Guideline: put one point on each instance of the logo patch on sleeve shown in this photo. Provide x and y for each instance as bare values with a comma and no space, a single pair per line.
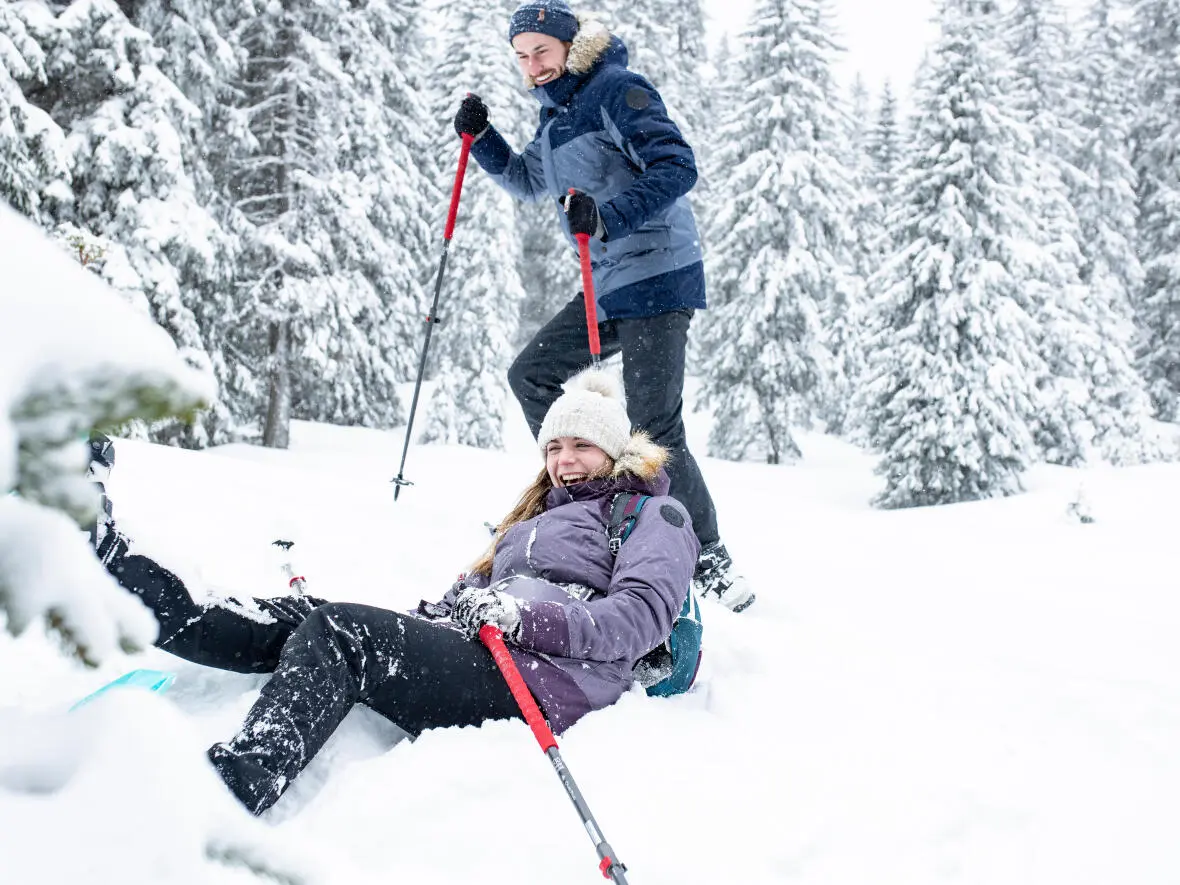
671,515
637,99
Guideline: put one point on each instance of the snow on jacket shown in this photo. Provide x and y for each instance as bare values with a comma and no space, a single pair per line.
587,615
604,130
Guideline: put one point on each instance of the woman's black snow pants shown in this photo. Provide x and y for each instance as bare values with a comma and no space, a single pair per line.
326,657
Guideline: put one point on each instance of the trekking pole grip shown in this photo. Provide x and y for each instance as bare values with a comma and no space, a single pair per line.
457,189
588,293
493,638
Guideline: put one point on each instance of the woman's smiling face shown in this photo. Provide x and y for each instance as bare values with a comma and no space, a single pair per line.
571,459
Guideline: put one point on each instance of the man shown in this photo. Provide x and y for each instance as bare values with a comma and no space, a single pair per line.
604,132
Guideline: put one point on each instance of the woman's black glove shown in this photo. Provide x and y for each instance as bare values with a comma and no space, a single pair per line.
582,213
472,117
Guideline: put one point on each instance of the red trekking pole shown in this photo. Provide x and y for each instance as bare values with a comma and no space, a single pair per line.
588,295
432,318
493,638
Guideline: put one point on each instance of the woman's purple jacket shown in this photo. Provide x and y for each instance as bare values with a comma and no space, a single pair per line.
586,615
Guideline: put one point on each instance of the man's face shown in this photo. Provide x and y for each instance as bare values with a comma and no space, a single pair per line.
541,57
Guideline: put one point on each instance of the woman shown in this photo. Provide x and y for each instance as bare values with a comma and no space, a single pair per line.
576,617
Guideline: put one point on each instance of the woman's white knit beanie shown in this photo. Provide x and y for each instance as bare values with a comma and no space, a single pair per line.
591,408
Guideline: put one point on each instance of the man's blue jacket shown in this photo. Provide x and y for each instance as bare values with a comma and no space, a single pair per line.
604,131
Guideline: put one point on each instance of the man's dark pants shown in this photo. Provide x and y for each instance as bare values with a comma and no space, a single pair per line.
653,380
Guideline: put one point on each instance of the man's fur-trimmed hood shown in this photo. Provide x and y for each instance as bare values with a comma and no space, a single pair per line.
588,46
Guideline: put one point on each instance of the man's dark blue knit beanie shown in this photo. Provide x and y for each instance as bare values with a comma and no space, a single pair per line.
552,17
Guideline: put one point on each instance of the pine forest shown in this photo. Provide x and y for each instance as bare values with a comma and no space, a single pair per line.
966,275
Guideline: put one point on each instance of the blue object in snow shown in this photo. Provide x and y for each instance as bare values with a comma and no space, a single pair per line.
152,680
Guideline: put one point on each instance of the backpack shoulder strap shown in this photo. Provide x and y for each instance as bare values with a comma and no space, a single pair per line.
624,510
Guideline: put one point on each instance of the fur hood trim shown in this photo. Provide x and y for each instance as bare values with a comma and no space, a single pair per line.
589,44
641,457
592,40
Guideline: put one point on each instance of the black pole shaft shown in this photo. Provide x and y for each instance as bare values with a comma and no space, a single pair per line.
431,320
452,216
608,863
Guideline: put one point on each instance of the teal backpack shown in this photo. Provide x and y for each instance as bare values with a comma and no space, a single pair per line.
671,667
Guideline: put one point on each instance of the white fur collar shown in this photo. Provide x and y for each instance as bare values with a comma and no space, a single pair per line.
641,457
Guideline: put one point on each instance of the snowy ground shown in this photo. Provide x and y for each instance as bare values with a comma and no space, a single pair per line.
987,693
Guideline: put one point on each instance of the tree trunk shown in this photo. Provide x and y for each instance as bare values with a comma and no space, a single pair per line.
277,432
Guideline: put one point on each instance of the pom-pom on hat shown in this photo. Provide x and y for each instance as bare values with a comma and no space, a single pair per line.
552,17
591,408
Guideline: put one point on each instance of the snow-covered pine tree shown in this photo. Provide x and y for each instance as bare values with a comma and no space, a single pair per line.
1157,162
62,377
129,156
320,274
195,53
385,159
952,367
885,144
1106,205
1091,388
1104,198
843,312
32,147
779,241
483,294
859,114
885,148
282,178
393,153
727,84
1036,38
689,86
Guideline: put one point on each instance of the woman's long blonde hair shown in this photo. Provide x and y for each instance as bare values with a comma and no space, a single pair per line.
531,503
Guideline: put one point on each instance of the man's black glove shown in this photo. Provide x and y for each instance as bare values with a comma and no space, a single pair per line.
582,213
472,117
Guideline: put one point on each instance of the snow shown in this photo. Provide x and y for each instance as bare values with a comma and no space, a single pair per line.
978,693
62,327
73,355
